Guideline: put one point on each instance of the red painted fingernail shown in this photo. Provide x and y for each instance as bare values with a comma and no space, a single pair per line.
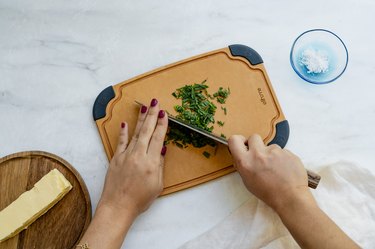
163,150
143,109
122,125
154,102
161,114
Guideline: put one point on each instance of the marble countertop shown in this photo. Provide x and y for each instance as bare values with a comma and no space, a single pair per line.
56,56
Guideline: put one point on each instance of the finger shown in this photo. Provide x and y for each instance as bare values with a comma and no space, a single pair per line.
141,118
255,143
123,139
273,147
157,139
237,146
148,126
161,171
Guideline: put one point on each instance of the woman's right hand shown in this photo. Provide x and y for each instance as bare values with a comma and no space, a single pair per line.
274,175
278,178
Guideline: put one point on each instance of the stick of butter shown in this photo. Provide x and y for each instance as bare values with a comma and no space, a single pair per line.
32,204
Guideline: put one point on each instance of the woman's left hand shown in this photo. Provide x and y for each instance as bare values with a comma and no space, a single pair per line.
134,179
135,175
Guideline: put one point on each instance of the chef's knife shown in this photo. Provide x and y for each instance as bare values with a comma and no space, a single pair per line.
313,178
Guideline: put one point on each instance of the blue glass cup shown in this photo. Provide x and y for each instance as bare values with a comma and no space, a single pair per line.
319,56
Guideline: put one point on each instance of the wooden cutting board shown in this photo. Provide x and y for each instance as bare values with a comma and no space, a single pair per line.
63,225
252,107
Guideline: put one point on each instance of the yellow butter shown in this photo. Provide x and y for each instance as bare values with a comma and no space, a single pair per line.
32,204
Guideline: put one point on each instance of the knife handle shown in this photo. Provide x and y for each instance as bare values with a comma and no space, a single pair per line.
313,179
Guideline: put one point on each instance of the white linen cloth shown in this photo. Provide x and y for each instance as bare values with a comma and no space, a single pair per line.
346,193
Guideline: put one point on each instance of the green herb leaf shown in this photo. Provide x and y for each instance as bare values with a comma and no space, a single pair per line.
196,109
220,123
206,154
224,109
221,95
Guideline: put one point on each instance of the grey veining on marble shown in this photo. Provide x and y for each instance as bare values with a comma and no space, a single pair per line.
56,56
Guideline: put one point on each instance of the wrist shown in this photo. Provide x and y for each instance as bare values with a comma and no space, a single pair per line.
108,226
112,212
297,199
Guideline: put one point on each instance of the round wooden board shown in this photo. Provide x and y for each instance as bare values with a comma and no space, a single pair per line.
64,224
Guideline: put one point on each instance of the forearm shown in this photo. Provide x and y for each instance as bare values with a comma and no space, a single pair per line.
108,228
311,227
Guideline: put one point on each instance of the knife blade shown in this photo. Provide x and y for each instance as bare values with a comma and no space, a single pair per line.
198,130
313,178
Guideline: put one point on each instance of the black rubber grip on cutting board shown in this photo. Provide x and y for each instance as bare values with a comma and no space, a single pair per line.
101,102
282,134
246,52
